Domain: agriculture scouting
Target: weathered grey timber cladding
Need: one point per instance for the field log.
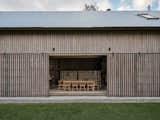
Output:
(24, 75)
(79, 42)
(133, 74)
(133, 60)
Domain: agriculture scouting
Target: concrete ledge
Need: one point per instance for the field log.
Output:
(78, 99)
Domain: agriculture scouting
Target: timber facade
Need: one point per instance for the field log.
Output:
(132, 59)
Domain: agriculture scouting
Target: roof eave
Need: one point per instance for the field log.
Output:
(80, 28)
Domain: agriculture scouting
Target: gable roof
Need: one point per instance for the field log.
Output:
(84, 19)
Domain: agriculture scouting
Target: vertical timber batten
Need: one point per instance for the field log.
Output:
(24, 75)
(25, 72)
(79, 42)
(133, 75)
(128, 74)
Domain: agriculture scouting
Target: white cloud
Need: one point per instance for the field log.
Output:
(51, 5)
(66, 5)
(10, 5)
(136, 4)
(73, 5)
(104, 4)
(141, 4)
(124, 5)
(158, 5)
(37, 5)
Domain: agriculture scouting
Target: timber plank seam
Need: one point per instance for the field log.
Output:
(133, 75)
(127, 74)
(23, 75)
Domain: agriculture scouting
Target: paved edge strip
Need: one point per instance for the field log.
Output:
(78, 99)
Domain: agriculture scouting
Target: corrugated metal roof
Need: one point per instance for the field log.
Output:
(85, 19)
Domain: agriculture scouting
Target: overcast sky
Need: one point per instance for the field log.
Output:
(76, 5)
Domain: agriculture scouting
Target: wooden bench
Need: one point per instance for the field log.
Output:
(91, 85)
(66, 85)
(82, 85)
(60, 85)
(77, 85)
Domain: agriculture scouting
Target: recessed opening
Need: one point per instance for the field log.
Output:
(88, 72)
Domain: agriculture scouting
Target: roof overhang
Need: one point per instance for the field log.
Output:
(80, 28)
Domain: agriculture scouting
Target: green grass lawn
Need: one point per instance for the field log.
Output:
(80, 112)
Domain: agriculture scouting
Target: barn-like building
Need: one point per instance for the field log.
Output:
(80, 53)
